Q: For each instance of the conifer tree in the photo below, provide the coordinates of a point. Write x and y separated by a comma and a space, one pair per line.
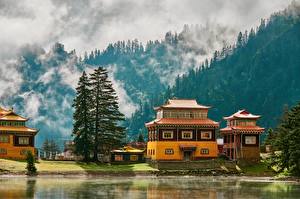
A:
141, 138
105, 113
288, 139
31, 169
46, 147
82, 122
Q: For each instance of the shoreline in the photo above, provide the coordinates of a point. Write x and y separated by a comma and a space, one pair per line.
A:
146, 174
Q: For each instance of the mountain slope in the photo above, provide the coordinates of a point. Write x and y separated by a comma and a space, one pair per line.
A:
261, 75
46, 79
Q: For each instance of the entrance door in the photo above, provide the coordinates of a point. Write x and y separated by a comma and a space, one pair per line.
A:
187, 155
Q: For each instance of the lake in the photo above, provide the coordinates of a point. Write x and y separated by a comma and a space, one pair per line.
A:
146, 187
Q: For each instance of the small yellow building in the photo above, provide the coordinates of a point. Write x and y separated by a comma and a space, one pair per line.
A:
182, 131
15, 137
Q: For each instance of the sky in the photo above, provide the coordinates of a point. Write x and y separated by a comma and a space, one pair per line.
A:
84, 25
87, 24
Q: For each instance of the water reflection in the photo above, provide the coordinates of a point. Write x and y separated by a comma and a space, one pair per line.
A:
150, 188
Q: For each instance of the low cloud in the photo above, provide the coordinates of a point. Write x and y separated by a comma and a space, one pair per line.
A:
32, 103
127, 107
10, 79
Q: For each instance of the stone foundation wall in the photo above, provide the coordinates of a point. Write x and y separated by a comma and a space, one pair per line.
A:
192, 165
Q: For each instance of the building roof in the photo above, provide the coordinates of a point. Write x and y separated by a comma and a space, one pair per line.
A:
182, 103
128, 149
242, 129
176, 121
10, 115
242, 114
3, 111
18, 129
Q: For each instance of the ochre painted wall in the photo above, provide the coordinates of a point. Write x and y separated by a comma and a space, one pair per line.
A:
160, 147
14, 152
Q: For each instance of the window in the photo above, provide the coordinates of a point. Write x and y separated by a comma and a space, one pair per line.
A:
24, 140
206, 135
191, 115
3, 151
4, 139
169, 151
133, 157
118, 157
204, 151
250, 139
24, 152
168, 134
187, 134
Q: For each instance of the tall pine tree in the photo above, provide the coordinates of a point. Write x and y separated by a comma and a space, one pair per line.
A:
105, 113
82, 120
287, 141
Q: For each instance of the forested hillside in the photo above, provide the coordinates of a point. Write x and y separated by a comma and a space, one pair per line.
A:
261, 74
138, 72
146, 70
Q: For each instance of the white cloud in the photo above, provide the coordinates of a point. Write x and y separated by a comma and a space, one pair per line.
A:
10, 79
32, 103
47, 77
127, 107
69, 72
86, 24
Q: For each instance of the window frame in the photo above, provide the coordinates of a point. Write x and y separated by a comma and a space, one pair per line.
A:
3, 151
206, 138
2, 141
169, 151
167, 132
22, 143
119, 158
24, 151
134, 158
187, 132
202, 137
204, 151
250, 136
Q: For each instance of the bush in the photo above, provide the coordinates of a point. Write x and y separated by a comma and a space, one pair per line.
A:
222, 156
31, 169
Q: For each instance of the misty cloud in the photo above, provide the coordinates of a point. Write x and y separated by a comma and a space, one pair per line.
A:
31, 27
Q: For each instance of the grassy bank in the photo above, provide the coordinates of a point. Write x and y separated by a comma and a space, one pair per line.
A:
67, 167
71, 167
259, 169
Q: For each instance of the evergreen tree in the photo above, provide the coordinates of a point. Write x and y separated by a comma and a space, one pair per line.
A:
31, 169
287, 141
239, 42
46, 147
82, 122
270, 137
141, 138
105, 114
50, 146
53, 147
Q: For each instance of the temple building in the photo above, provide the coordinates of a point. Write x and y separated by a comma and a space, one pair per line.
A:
181, 131
15, 138
241, 136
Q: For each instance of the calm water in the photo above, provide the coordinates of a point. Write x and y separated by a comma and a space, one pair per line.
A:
147, 187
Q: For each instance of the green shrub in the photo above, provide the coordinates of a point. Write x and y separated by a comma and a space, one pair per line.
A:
31, 169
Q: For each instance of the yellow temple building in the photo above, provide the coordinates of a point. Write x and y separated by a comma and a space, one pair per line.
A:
15, 137
182, 132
